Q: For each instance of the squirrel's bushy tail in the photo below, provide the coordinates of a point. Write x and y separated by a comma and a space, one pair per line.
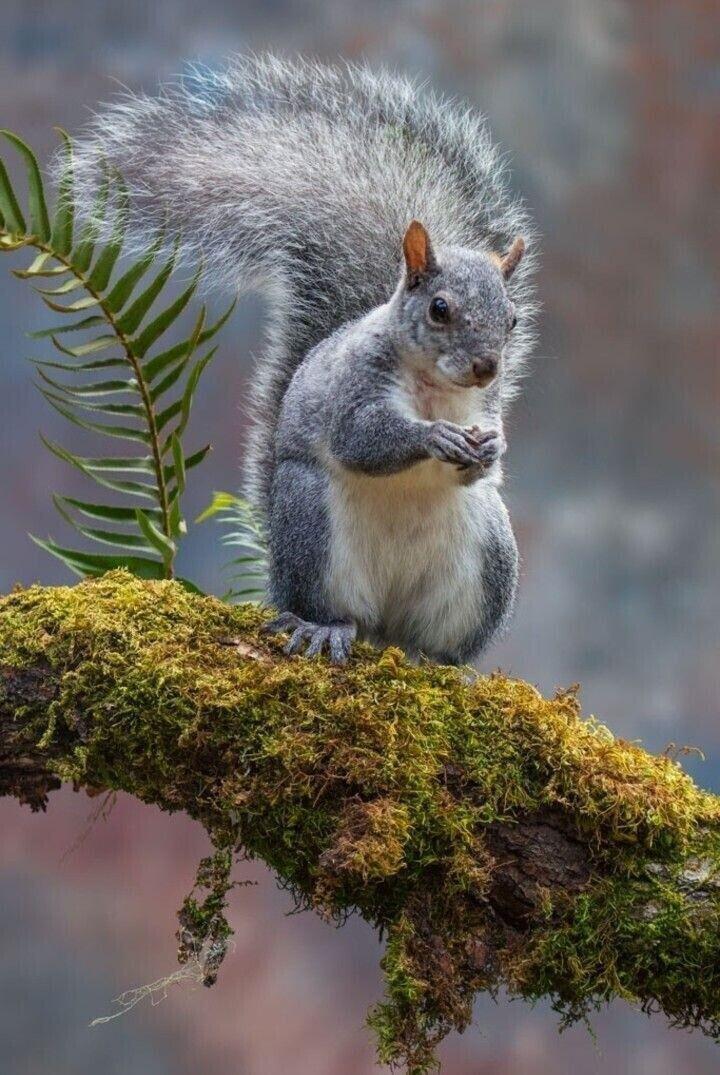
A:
300, 179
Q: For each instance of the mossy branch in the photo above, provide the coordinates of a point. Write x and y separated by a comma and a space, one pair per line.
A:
492, 835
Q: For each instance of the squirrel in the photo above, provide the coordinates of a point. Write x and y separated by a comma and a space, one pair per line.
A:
377, 221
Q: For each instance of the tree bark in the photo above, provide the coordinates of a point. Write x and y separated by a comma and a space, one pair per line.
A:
25, 769
494, 836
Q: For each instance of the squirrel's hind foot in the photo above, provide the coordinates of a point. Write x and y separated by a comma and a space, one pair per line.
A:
335, 638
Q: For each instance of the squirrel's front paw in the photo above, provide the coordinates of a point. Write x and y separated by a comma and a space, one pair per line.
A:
492, 446
454, 444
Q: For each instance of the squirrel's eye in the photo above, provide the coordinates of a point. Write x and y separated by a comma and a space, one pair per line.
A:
513, 323
439, 310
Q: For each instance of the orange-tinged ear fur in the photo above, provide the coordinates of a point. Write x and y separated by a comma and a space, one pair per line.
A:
417, 249
509, 262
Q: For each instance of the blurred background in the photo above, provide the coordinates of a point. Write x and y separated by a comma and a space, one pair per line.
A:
609, 112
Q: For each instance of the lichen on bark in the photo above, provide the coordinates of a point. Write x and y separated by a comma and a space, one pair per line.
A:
492, 835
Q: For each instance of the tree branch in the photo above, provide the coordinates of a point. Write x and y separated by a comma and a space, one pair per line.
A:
494, 836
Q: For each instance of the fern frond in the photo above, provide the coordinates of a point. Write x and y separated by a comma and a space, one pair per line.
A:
245, 532
113, 311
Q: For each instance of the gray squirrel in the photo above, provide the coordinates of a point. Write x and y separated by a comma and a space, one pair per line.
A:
393, 345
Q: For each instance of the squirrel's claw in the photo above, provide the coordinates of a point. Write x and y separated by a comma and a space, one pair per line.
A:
305, 633
342, 637
320, 637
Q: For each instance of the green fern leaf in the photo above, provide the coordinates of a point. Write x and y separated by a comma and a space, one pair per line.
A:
13, 219
118, 321
123, 289
104, 512
84, 563
82, 256
39, 219
75, 326
132, 318
246, 532
162, 323
62, 229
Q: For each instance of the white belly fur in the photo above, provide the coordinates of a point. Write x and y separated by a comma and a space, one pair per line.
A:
406, 550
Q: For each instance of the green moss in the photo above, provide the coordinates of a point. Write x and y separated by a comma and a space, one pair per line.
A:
204, 931
643, 939
370, 788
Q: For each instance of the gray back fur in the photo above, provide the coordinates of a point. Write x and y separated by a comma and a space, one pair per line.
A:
299, 179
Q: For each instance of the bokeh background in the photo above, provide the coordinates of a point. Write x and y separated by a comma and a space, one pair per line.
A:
610, 112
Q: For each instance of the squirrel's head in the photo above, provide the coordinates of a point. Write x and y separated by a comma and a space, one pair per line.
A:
454, 311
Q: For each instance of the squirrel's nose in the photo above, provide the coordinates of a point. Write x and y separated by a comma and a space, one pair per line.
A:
485, 368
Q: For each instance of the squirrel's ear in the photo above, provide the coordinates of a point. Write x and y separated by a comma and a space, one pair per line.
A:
512, 257
418, 251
